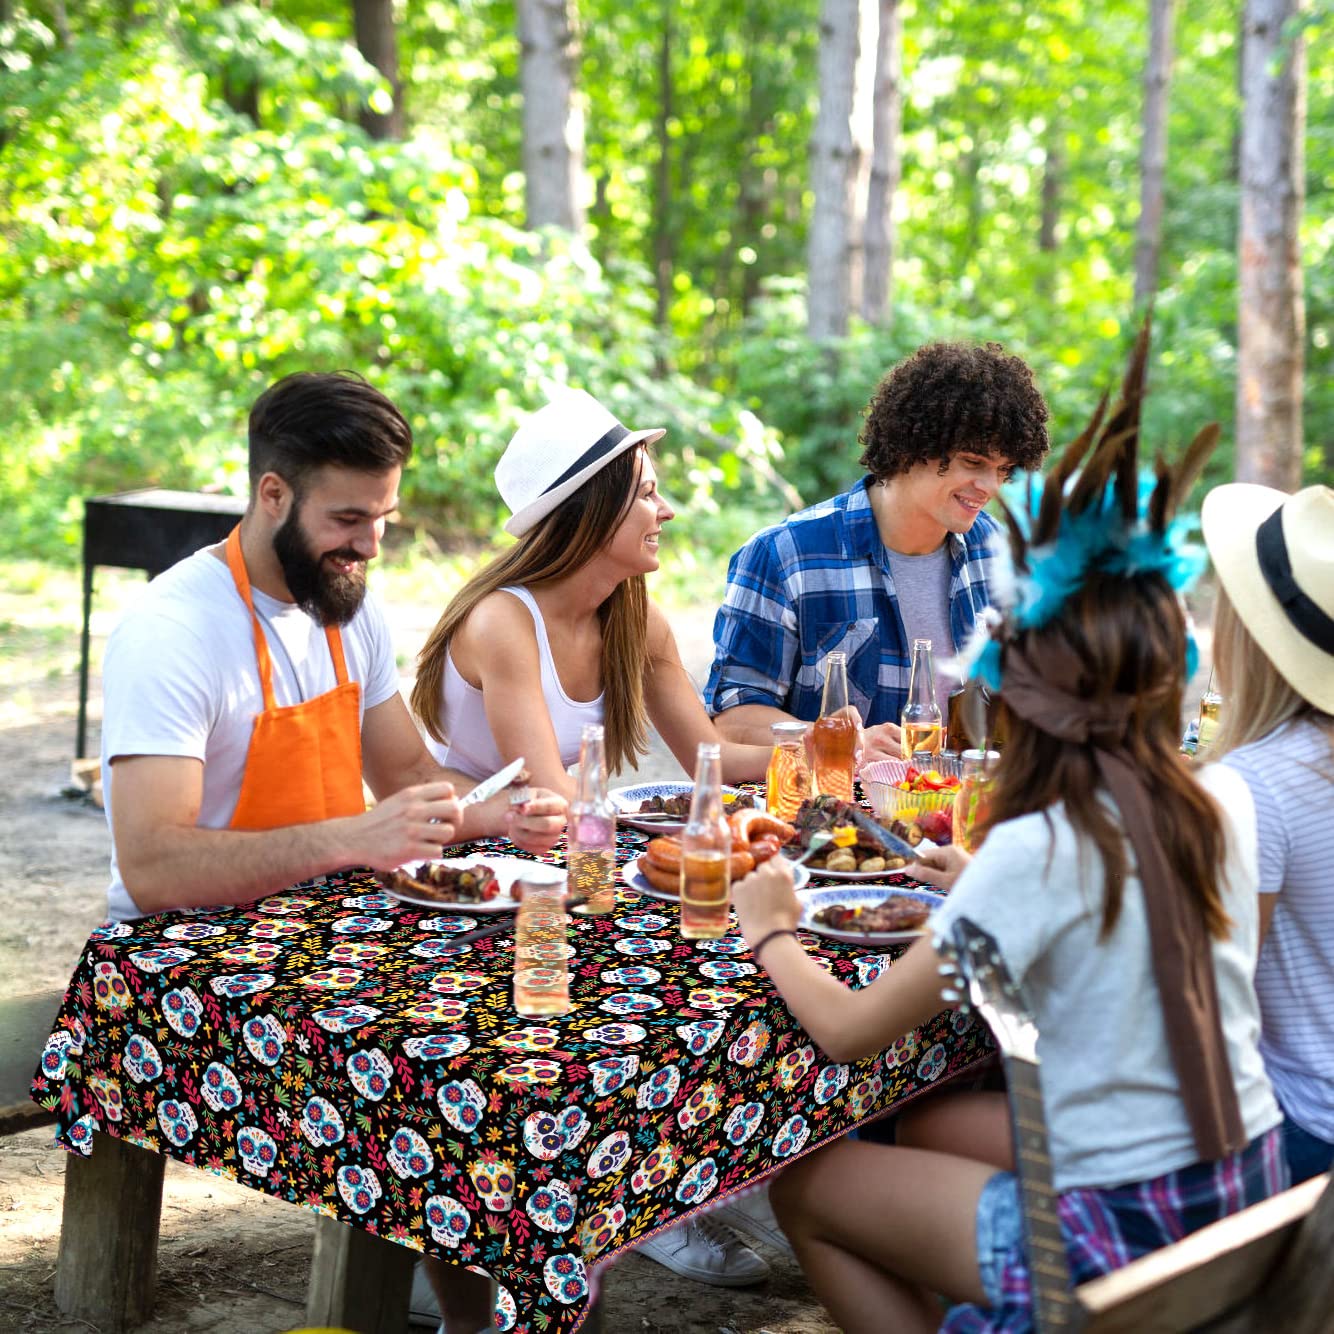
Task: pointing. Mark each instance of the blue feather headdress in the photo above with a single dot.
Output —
(1104, 515)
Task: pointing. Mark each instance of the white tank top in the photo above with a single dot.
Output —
(471, 749)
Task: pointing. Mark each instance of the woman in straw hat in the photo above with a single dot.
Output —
(1274, 655)
(559, 631)
(1120, 891)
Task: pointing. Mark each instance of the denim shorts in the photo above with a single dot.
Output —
(1000, 1228)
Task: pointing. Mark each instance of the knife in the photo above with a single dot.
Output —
(488, 787)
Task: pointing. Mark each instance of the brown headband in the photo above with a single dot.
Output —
(1178, 938)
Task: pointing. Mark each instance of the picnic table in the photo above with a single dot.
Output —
(332, 1047)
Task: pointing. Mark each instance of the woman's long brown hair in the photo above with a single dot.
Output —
(1129, 634)
(563, 543)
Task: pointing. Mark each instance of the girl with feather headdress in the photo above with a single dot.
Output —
(1120, 890)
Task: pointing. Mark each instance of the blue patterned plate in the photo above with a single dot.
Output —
(855, 896)
(627, 801)
(630, 876)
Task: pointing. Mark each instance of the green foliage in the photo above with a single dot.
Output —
(165, 253)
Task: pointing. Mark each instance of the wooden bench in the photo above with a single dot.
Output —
(106, 1275)
(1266, 1270)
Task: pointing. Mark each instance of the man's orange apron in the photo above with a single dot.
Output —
(304, 760)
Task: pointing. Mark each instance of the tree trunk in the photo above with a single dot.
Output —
(1153, 152)
(1053, 172)
(863, 138)
(878, 279)
(378, 42)
(1053, 168)
(240, 93)
(1271, 318)
(664, 250)
(835, 160)
(553, 124)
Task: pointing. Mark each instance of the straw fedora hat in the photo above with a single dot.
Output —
(1274, 554)
(555, 451)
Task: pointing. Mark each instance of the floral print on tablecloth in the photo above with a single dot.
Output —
(332, 1047)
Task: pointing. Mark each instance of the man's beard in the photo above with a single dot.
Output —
(330, 597)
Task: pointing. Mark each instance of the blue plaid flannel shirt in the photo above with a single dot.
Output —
(819, 581)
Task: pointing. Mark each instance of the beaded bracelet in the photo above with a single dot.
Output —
(778, 931)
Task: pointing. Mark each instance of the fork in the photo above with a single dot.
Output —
(819, 840)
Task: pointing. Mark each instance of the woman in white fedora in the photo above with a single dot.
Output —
(559, 630)
(1274, 656)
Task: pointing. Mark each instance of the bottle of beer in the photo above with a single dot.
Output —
(591, 837)
(834, 736)
(921, 725)
(706, 852)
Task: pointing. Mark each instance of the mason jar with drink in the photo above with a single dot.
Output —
(788, 780)
(921, 726)
(541, 968)
(591, 838)
(970, 802)
(834, 736)
(706, 852)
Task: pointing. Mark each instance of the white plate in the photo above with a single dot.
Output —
(631, 877)
(506, 870)
(627, 801)
(815, 900)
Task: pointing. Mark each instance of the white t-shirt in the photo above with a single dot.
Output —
(1290, 774)
(179, 678)
(1114, 1112)
(471, 748)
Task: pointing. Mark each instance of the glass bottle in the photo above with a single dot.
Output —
(920, 722)
(788, 781)
(591, 832)
(706, 852)
(1211, 708)
(970, 802)
(834, 736)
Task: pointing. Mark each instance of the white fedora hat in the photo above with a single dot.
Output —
(555, 451)
(1274, 554)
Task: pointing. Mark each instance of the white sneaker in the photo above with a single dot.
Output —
(707, 1251)
(753, 1215)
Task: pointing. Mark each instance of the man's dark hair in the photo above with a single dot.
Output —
(312, 419)
(948, 397)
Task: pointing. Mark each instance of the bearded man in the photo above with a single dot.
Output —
(254, 689)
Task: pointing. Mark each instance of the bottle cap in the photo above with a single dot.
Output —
(789, 731)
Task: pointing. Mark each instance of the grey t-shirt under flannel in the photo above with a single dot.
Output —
(922, 585)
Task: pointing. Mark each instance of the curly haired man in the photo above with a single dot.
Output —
(904, 554)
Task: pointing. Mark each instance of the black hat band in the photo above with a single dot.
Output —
(1272, 551)
(594, 452)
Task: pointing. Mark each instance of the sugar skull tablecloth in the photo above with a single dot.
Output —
(335, 1048)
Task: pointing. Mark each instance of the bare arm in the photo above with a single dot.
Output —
(748, 724)
(394, 757)
(846, 1024)
(167, 861)
(496, 648)
(679, 715)
(1268, 902)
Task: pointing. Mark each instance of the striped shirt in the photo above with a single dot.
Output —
(1290, 774)
(821, 581)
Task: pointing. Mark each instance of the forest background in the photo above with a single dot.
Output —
(196, 198)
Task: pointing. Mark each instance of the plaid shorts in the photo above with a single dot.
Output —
(1105, 1228)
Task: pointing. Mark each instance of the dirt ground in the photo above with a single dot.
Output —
(231, 1260)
